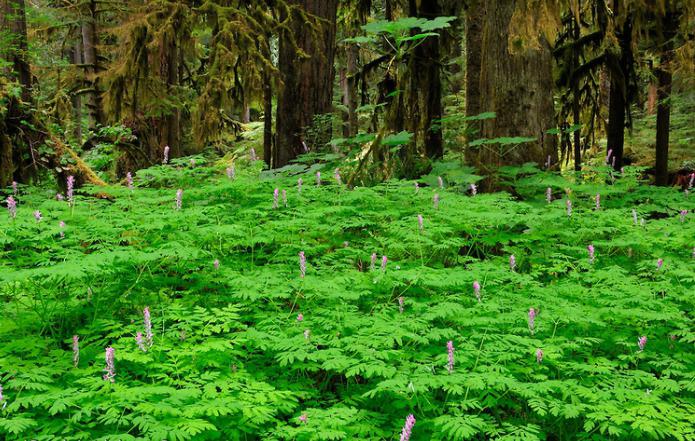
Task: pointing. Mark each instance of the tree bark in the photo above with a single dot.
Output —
(474, 43)
(516, 84)
(90, 41)
(77, 98)
(663, 109)
(307, 83)
(430, 84)
(267, 120)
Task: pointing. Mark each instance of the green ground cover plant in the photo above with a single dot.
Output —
(214, 302)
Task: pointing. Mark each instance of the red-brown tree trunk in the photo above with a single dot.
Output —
(307, 88)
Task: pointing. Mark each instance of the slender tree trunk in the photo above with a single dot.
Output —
(77, 98)
(474, 43)
(663, 110)
(575, 99)
(90, 41)
(430, 83)
(307, 83)
(515, 83)
(267, 120)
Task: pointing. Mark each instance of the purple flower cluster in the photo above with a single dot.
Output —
(61, 225)
(474, 190)
(384, 261)
(512, 262)
(284, 198)
(303, 418)
(318, 178)
(659, 263)
(216, 264)
(372, 265)
(642, 342)
(129, 180)
(408, 428)
(276, 197)
(450, 356)
(597, 201)
(435, 201)
(539, 355)
(476, 290)
(337, 177)
(420, 222)
(231, 172)
(300, 317)
(147, 319)
(549, 195)
(166, 155)
(140, 342)
(110, 370)
(15, 189)
(37, 215)
(401, 304)
(683, 213)
(569, 207)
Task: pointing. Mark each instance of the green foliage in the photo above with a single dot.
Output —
(230, 360)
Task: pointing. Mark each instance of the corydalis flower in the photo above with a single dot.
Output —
(37, 215)
(302, 264)
(659, 263)
(59, 197)
(450, 354)
(440, 182)
(15, 189)
(435, 201)
(539, 355)
(61, 225)
(591, 250)
(129, 180)
(216, 264)
(318, 178)
(597, 201)
(75, 350)
(372, 265)
(683, 213)
(12, 207)
(284, 198)
(179, 198)
(408, 428)
(231, 172)
(303, 418)
(532, 320)
(512, 262)
(71, 189)
(608, 156)
(476, 290)
(337, 177)
(276, 197)
(474, 190)
(549, 195)
(569, 208)
(384, 261)
(140, 342)
(642, 342)
(299, 185)
(110, 365)
(148, 326)
(401, 304)
(166, 155)
(300, 317)
(420, 222)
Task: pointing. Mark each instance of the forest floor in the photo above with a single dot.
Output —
(261, 308)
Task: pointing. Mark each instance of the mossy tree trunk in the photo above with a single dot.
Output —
(307, 88)
(515, 81)
(90, 41)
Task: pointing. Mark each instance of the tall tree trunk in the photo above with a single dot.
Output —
(170, 71)
(619, 93)
(430, 83)
(267, 120)
(663, 110)
(575, 98)
(90, 41)
(516, 85)
(15, 163)
(307, 83)
(77, 98)
(474, 44)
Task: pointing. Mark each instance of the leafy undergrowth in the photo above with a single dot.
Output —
(231, 358)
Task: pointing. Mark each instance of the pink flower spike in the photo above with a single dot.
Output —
(110, 364)
(597, 201)
(474, 189)
(337, 177)
(12, 207)
(15, 188)
(372, 265)
(179, 198)
(408, 428)
(476, 290)
(148, 326)
(590, 248)
(401, 304)
(59, 197)
(683, 213)
(302, 264)
(276, 196)
(642, 342)
(284, 198)
(549, 195)
(512, 262)
(569, 208)
(659, 263)
(532, 320)
(71, 189)
(303, 418)
(230, 172)
(435, 201)
(300, 317)
(450, 355)
(37, 215)
(61, 225)
(165, 160)
(420, 222)
(216, 264)
(318, 178)
(539, 356)
(384, 260)
(129, 181)
(140, 342)
(75, 350)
